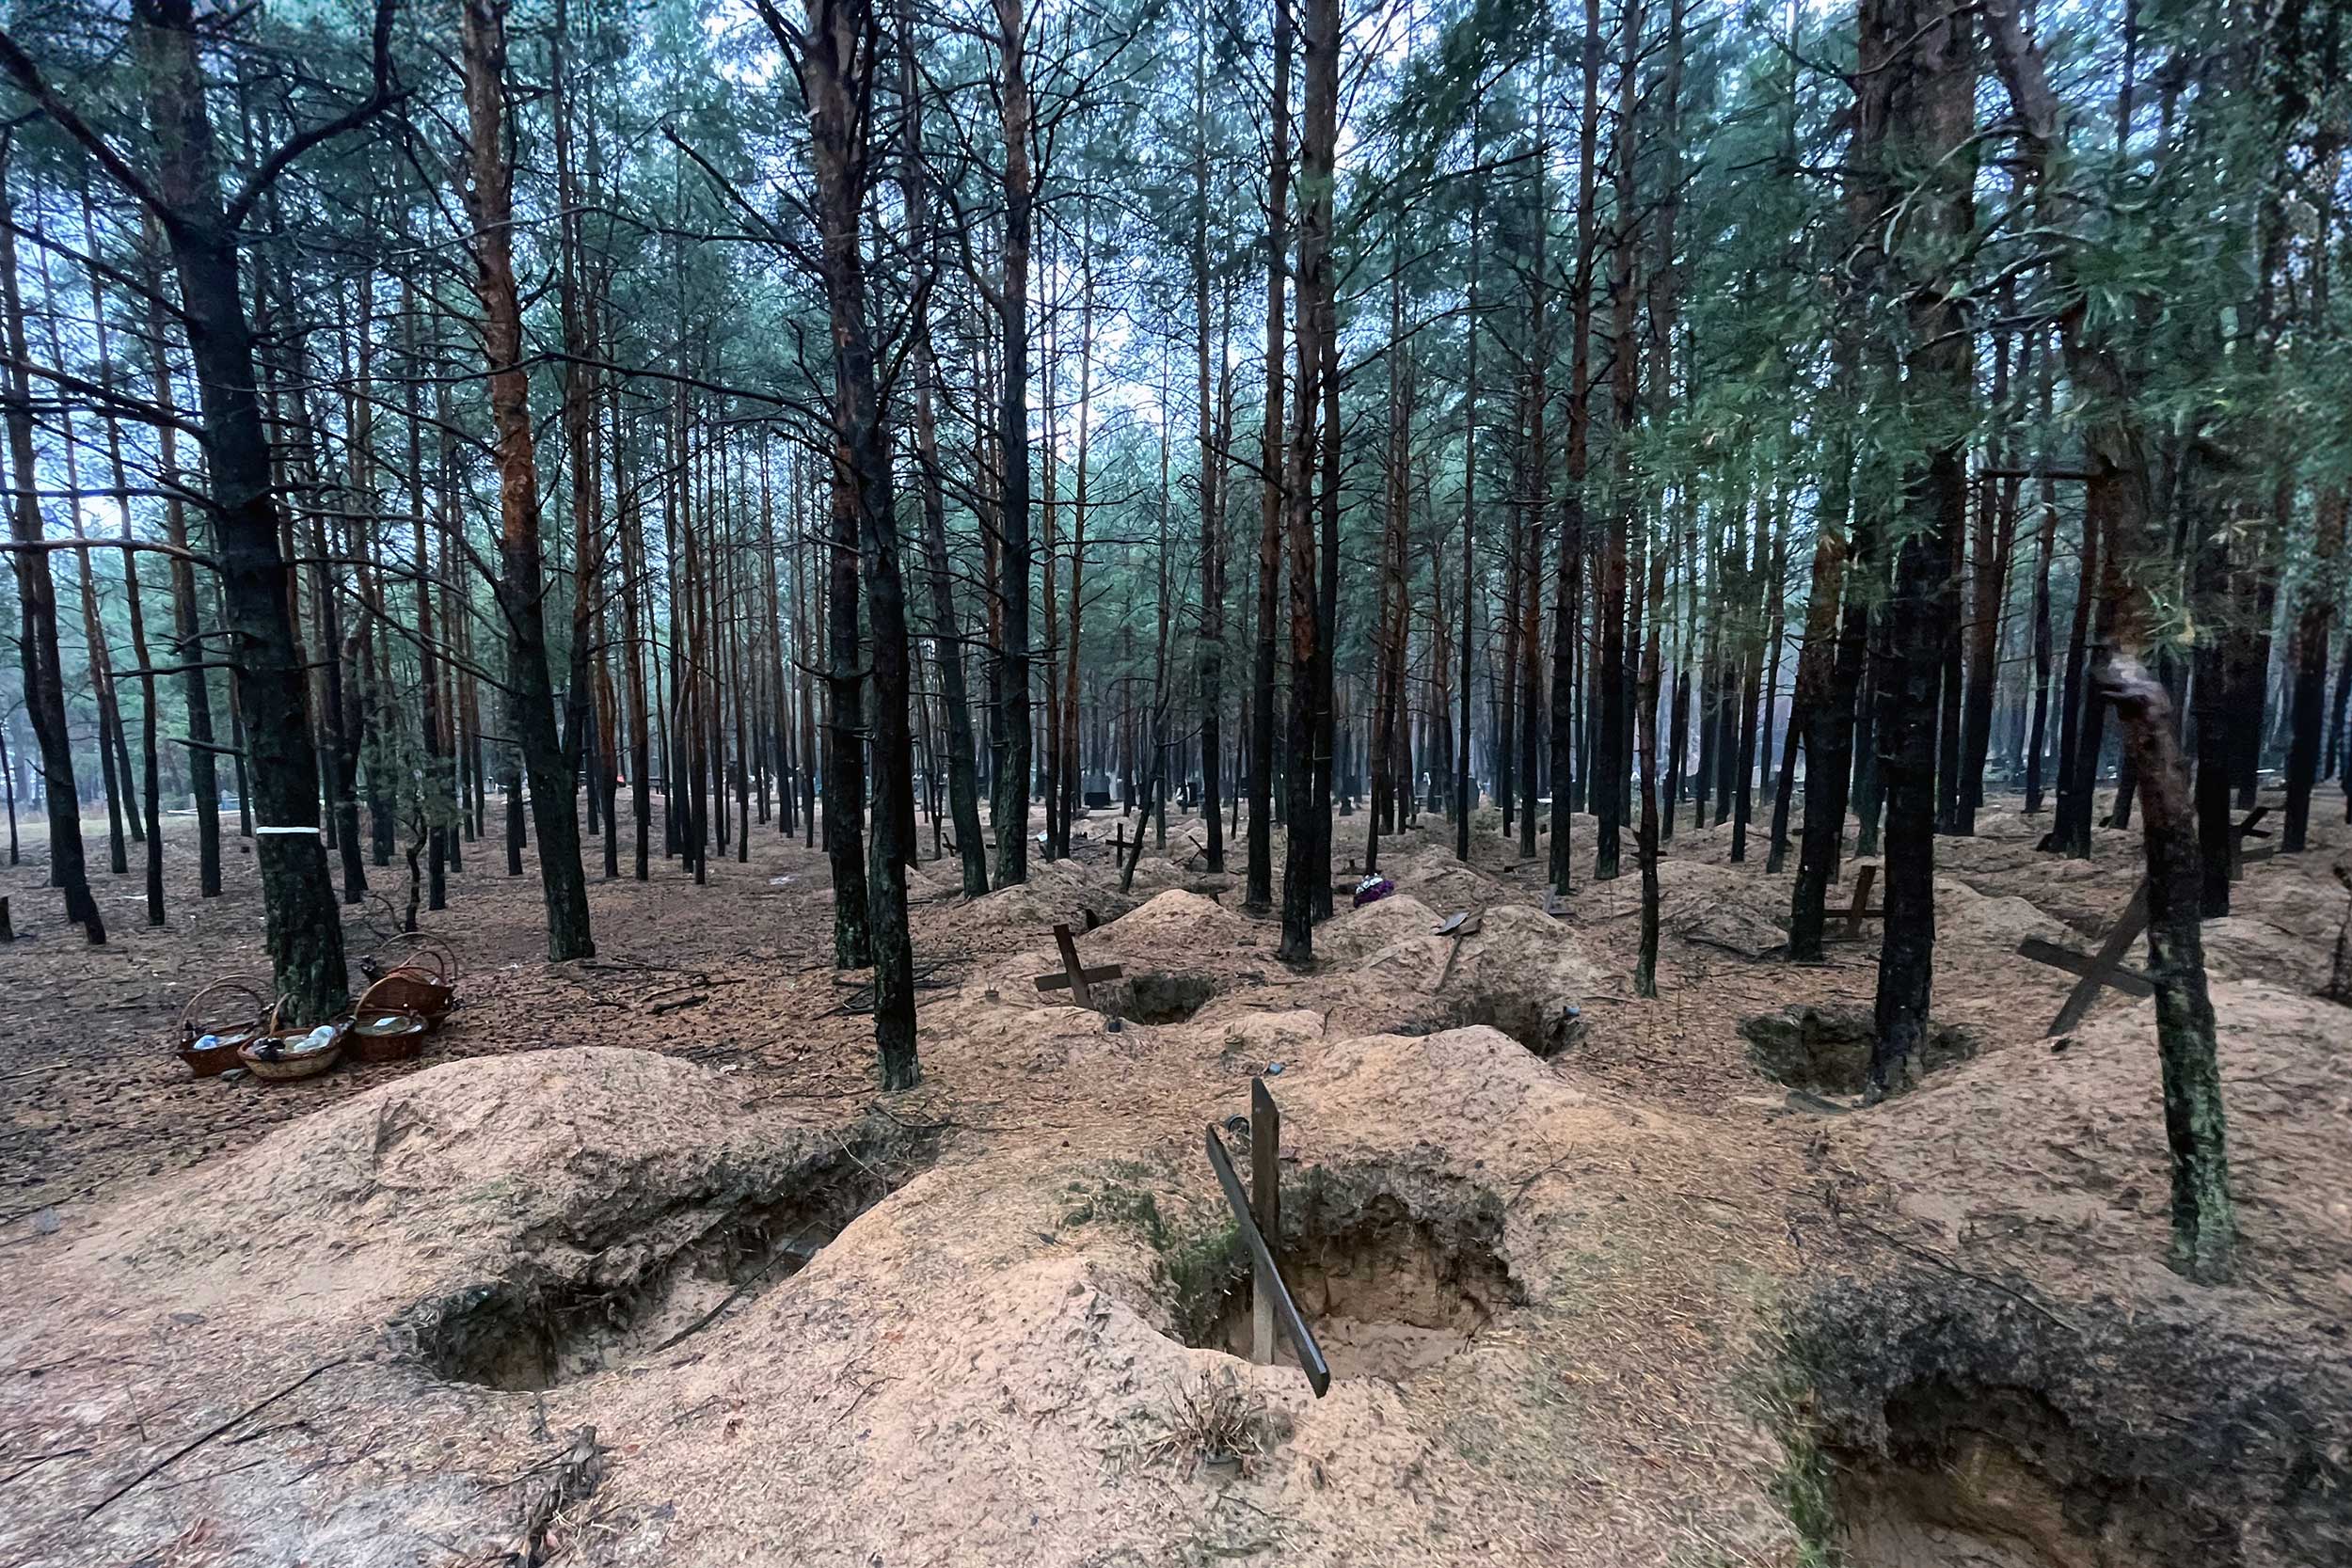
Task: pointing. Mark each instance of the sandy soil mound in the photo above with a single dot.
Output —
(457, 1161)
(2284, 916)
(1522, 972)
(1444, 883)
(1353, 935)
(1175, 925)
(510, 1185)
(1057, 891)
(1020, 1336)
(1731, 908)
(2088, 1166)
(1980, 925)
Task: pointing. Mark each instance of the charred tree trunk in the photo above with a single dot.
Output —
(1929, 108)
(2314, 631)
(1258, 892)
(521, 597)
(304, 929)
(196, 686)
(1212, 673)
(2116, 493)
(1606, 785)
(836, 57)
(2038, 728)
(964, 799)
(1318, 151)
(1012, 437)
(1465, 788)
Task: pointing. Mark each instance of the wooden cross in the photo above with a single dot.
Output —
(2105, 970)
(2102, 970)
(1266, 1207)
(1258, 1215)
(1860, 909)
(1075, 978)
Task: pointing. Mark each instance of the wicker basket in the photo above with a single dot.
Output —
(413, 990)
(383, 1031)
(289, 1062)
(229, 1036)
(413, 972)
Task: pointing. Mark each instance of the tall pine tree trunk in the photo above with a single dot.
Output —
(521, 597)
(36, 604)
(1011, 807)
(1930, 97)
(1318, 150)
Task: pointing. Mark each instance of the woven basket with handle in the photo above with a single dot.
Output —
(416, 972)
(387, 1031)
(231, 1025)
(290, 1058)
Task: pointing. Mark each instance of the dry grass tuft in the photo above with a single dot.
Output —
(1215, 1418)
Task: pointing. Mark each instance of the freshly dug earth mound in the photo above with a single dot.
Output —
(1354, 935)
(1063, 890)
(1728, 908)
(1177, 923)
(535, 1325)
(2078, 1163)
(2029, 1386)
(562, 1153)
(1826, 1050)
(1521, 972)
(1179, 950)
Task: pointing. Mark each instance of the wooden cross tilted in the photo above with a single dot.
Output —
(1258, 1215)
(2105, 969)
(1075, 979)
(2101, 969)
(1859, 911)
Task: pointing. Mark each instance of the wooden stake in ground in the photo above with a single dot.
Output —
(1075, 978)
(1265, 1206)
(1268, 1274)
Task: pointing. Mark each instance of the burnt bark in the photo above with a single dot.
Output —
(1930, 100)
(2117, 496)
(1012, 805)
(489, 200)
(1318, 150)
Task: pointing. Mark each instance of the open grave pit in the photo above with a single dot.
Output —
(1390, 1288)
(1512, 969)
(558, 1317)
(1162, 996)
(1826, 1050)
(1965, 1427)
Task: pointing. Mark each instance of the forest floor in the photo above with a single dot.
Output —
(635, 1267)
